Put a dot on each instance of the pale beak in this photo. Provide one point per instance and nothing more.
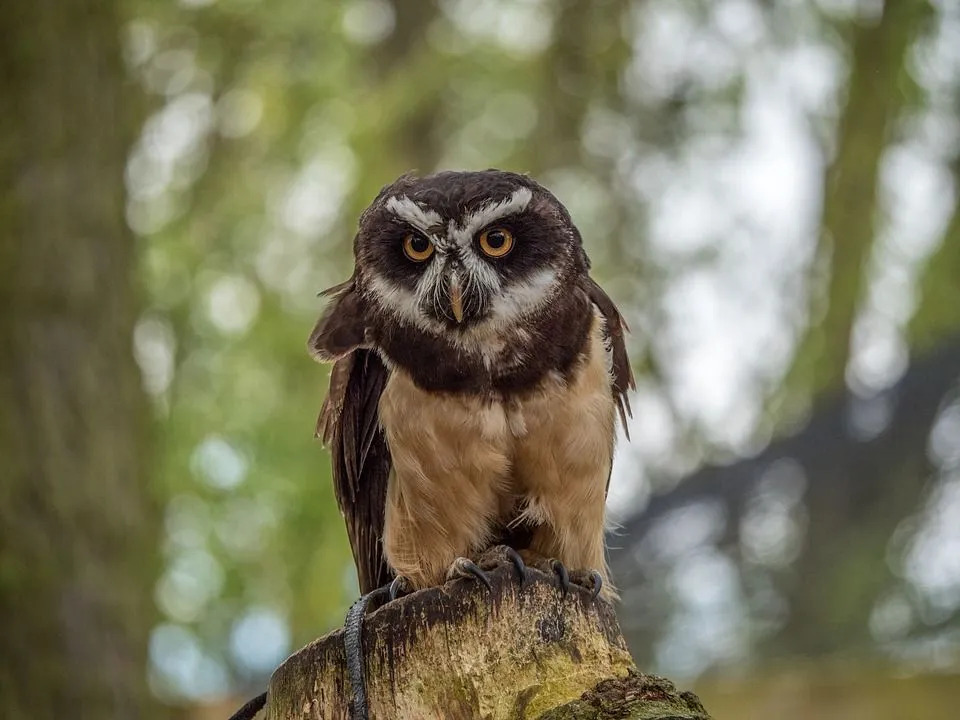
(456, 300)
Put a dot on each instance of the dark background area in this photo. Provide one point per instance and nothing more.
(767, 188)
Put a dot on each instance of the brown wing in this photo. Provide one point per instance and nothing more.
(615, 327)
(349, 425)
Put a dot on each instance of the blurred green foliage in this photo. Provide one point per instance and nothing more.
(270, 129)
(761, 186)
(766, 187)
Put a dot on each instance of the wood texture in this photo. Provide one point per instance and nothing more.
(459, 651)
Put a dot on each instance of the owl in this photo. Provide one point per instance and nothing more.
(477, 379)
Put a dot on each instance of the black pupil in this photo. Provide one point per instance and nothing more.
(496, 239)
(419, 244)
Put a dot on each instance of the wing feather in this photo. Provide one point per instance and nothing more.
(349, 424)
(622, 373)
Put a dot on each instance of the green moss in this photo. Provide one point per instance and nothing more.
(633, 697)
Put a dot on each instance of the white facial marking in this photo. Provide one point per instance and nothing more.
(479, 271)
(428, 286)
(401, 302)
(488, 213)
(524, 296)
(406, 209)
(485, 338)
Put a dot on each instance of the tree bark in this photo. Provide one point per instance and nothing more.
(76, 531)
(461, 651)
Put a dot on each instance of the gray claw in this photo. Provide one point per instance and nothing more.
(399, 586)
(562, 575)
(464, 567)
(597, 584)
(518, 563)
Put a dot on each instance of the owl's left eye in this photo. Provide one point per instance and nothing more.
(417, 247)
(496, 242)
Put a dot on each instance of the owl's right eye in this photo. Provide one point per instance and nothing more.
(417, 247)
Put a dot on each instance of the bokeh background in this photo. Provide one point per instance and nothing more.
(768, 188)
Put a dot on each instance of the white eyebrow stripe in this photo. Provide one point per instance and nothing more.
(406, 209)
(488, 213)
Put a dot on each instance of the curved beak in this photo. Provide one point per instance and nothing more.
(456, 299)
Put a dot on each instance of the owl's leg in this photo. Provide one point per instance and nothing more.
(565, 505)
(571, 537)
(425, 554)
(449, 458)
(430, 533)
(563, 463)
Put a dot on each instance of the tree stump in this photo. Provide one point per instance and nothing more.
(460, 651)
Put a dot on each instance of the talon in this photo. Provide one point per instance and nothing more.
(464, 567)
(399, 586)
(597, 584)
(518, 563)
(562, 575)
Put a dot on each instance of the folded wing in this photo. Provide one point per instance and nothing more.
(349, 425)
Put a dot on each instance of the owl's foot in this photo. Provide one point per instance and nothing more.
(466, 568)
(500, 554)
(563, 577)
(514, 557)
(589, 579)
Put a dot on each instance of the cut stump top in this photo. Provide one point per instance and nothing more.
(460, 651)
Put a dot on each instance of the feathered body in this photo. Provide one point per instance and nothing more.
(478, 373)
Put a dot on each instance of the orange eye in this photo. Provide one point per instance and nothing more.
(496, 242)
(417, 247)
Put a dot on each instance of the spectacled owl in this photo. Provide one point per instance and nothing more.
(478, 373)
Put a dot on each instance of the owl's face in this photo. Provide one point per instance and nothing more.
(462, 252)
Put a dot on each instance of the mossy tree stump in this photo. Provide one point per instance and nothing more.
(459, 652)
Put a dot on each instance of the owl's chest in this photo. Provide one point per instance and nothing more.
(494, 364)
(432, 434)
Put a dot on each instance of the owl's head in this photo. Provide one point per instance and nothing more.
(456, 251)
(454, 259)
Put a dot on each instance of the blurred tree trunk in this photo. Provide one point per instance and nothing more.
(404, 56)
(937, 318)
(876, 96)
(76, 528)
(850, 523)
